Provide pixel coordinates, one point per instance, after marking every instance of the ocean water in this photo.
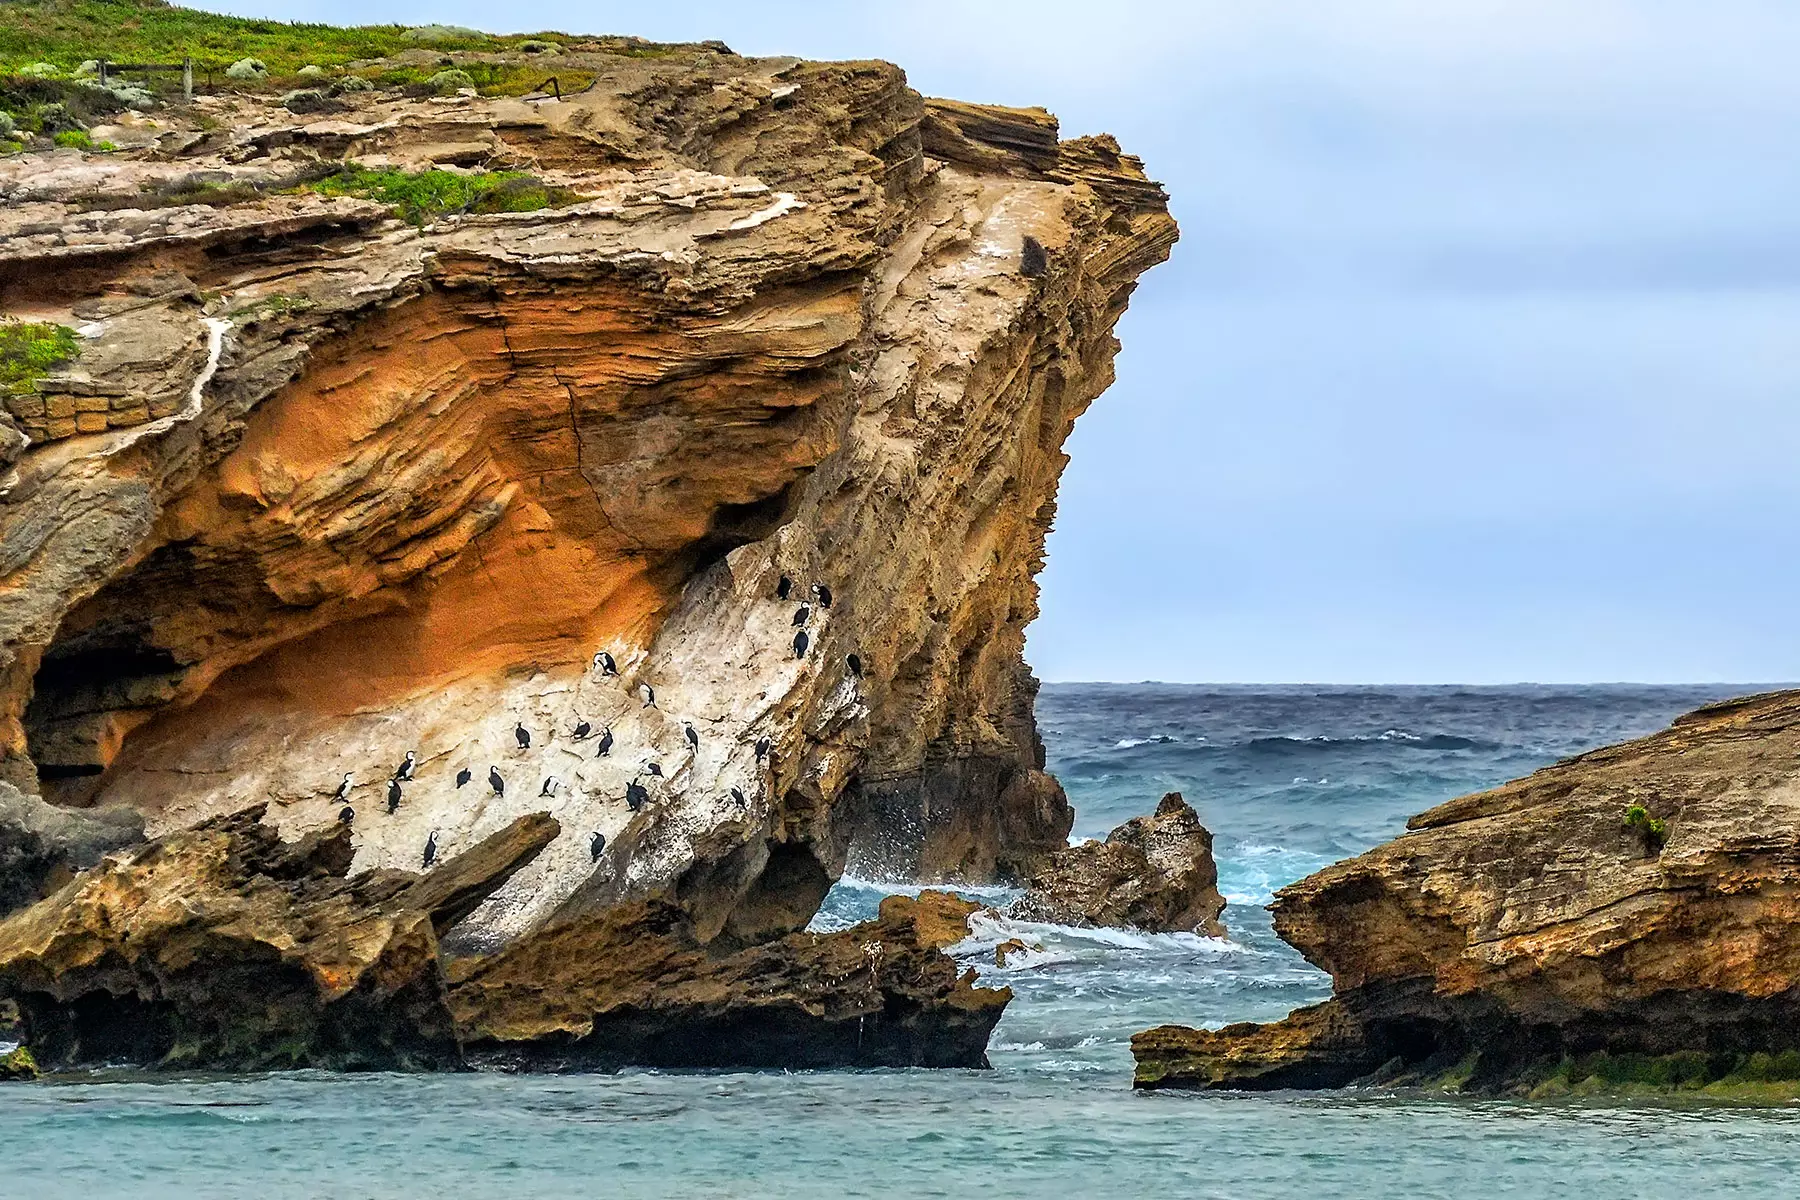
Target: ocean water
(1288, 779)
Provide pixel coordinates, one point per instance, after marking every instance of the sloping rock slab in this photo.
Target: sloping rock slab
(223, 948)
(633, 987)
(1152, 873)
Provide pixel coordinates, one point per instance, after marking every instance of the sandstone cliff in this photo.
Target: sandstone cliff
(325, 485)
(1627, 915)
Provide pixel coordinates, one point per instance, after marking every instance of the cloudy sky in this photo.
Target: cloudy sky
(1479, 360)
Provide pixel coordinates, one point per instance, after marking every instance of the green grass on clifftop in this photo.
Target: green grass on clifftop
(69, 32)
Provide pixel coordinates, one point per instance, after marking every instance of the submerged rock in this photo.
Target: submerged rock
(223, 947)
(1152, 873)
(634, 986)
(1544, 936)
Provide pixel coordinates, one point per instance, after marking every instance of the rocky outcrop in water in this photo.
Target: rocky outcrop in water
(328, 483)
(634, 986)
(1152, 873)
(222, 947)
(1626, 915)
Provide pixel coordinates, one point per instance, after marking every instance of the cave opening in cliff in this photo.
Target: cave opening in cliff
(86, 684)
(782, 898)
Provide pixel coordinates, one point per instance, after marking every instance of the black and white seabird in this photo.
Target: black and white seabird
(346, 814)
(800, 642)
(495, 782)
(802, 615)
(605, 742)
(523, 734)
(343, 789)
(404, 772)
(692, 735)
(393, 795)
(549, 788)
(582, 729)
(763, 746)
(648, 693)
(603, 662)
(654, 768)
(738, 795)
(596, 845)
(636, 795)
(463, 776)
(854, 662)
(431, 848)
(822, 594)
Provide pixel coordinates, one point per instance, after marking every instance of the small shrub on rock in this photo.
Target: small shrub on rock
(447, 83)
(247, 69)
(1654, 830)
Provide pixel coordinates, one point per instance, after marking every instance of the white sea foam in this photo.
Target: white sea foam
(1161, 739)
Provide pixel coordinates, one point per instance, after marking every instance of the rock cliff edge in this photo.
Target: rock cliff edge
(329, 482)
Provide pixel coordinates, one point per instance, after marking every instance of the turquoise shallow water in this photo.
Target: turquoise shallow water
(1288, 779)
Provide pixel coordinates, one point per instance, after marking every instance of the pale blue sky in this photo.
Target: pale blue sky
(1479, 359)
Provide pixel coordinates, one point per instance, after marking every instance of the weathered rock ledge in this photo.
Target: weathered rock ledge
(1542, 936)
(223, 948)
(1153, 873)
(636, 987)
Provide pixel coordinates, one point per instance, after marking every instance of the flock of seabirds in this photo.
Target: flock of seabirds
(636, 794)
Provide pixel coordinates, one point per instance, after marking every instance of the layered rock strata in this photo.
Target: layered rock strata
(1152, 873)
(324, 486)
(634, 986)
(1626, 914)
(224, 948)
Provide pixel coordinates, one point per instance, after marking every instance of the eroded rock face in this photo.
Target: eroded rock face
(635, 986)
(1152, 873)
(324, 487)
(222, 947)
(43, 846)
(1510, 933)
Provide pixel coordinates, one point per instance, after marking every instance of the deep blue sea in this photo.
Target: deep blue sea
(1288, 779)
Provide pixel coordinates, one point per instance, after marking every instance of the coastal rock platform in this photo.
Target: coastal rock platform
(1631, 914)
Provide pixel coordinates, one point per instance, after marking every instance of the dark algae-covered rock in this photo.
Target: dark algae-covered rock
(18, 1064)
(1152, 873)
(1625, 920)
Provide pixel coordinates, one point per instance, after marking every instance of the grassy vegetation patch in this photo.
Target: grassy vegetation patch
(53, 106)
(421, 196)
(78, 139)
(69, 32)
(29, 350)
